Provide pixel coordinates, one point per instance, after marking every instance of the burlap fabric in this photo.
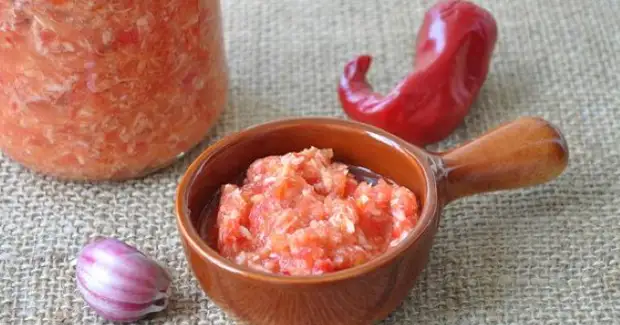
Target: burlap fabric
(545, 255)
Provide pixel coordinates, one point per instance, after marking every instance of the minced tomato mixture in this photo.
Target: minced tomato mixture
(302, 214)
(108, 89)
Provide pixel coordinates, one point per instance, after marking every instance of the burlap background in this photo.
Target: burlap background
(546, 255)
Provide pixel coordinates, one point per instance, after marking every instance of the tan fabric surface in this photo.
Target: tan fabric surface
(547, 255)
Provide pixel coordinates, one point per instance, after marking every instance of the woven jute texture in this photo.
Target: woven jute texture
(543, 255)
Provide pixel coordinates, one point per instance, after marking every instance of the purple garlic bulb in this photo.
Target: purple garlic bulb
(119, 282)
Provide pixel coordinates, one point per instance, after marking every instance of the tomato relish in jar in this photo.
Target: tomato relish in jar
(108, 89)
(302, 214)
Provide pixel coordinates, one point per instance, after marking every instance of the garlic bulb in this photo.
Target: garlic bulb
(119, 282)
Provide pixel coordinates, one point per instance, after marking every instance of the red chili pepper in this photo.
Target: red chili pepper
(453, 53)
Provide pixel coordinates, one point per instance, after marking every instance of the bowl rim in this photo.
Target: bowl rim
(200, 247)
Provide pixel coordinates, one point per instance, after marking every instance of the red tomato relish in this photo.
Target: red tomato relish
(302, 214)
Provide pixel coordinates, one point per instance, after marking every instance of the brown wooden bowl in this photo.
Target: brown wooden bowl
(526, 152)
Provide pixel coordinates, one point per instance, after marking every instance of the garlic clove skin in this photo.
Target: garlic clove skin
(119, 282)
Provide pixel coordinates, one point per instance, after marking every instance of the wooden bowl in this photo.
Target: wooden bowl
(526, 152)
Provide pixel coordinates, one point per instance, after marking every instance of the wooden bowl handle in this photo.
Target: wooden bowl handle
(526, 152)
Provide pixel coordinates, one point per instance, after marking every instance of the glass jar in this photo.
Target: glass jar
(98, 90)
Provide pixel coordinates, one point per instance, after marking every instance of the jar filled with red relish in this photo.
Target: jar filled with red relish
(97, 90)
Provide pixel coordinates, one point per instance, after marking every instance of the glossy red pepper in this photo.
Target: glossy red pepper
(453, 54)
